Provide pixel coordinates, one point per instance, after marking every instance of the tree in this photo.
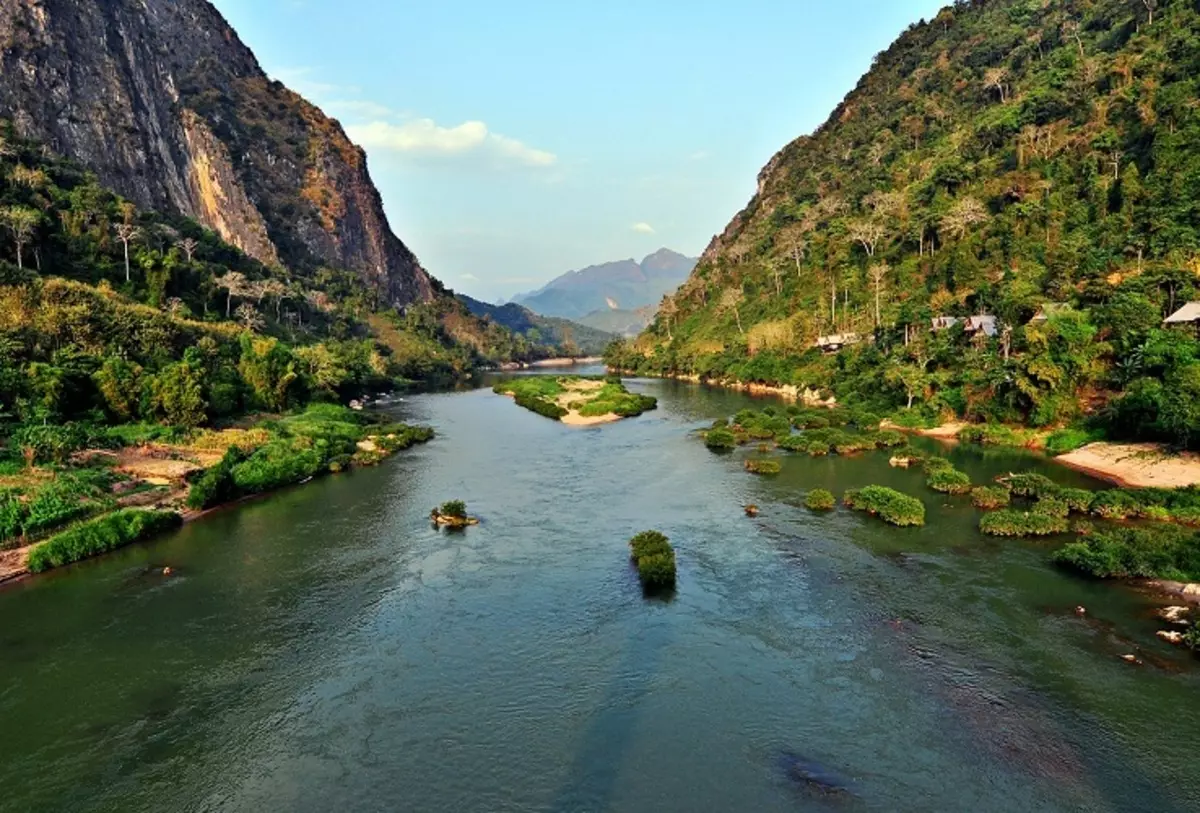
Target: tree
(965, 213)
(21, 222)
(994, 79)
(667, 310)
(911, 377)
(731, 299)
(127, 233)
(188, 246)
(248, 317)
(867, 233)
(1150, 5)
(878, 272)
(234, 284)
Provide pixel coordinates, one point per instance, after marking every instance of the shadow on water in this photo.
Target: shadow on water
(594, 773)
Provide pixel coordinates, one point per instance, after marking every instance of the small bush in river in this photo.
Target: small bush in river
(1009, 522)
(652, 554)
(820, 500)
(949, 481)
(453, 508)
(1161, 552)
(990, 497)
(888, 504)
(756, 466)
(719, 439)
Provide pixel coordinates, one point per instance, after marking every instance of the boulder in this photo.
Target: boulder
(1171, 637)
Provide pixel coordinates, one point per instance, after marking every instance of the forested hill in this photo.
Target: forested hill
(1005, 155)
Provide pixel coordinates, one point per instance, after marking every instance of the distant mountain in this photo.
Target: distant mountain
(621, 322)
(544, 330)
(624, 285)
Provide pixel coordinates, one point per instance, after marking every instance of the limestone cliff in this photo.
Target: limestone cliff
(163, 101)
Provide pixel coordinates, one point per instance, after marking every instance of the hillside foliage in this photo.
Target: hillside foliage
(1004, 156)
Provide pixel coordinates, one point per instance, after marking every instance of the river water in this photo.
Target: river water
(325, 649)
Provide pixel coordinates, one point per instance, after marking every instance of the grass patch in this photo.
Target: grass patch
(98, 536)
(949, 481)
(720, 439)
(820, 499)
(767, 467)
(1068, 440)
(888, 504)
(990, 497)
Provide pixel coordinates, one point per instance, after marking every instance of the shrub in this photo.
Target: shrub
(820, 500)
(548, 409)
(1052, 507)
(794, 443)
(1115, 504)
(816, 448)
(719, 439)
(757, 466)
(990, 497)
(889, 439)
(652, 554)
(216, 486)
(949, 481)
(1082, 527)
(453, 508)
(280, 463)
(1068, 440)
(1078, 500)
(936, 464)
(887, 504)
(1163, 552)
(1009, 522)
(1028, 484)
(99, 536)
(990, 434)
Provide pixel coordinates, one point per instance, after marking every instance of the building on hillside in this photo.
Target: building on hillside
(1047, 310)
(942, 323)
(1189, 314)
(982, 325)
(836, 341)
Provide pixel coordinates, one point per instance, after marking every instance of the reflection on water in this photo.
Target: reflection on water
(323, 648)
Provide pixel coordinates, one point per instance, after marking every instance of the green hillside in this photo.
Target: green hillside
(550, 335)
(1006, 155)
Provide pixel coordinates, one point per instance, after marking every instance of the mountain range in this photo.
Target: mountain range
(588, 294)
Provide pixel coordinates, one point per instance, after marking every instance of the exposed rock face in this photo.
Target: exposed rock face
(167, 106)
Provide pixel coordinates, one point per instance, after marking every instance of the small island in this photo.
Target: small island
(577, 400)
(452, 515)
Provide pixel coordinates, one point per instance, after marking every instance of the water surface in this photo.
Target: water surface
(324, 649)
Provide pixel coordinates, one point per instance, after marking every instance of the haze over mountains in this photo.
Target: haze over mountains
(592, 295)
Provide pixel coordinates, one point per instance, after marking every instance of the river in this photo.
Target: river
(324, 649)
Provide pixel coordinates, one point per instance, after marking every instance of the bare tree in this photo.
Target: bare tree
(799, 249)
(234, 284)
(731, 299)
(867, 233)
(1071, 28)
(773, 266)
(127, 233)
(188, 246)
(1150, 5)
(878, 272)
(21, 222)
(965, 213)
(994, 79)
(248, 317)
(174, 306)
(667, 310)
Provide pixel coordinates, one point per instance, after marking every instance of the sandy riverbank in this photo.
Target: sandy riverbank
(582, 387)
(1135, 465)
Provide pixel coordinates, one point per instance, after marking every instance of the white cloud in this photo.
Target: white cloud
(643, 228)
(425, 137)
(469, 277)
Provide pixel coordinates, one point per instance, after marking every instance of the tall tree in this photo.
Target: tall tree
(21, 222)
(127, 233)
(731, 300)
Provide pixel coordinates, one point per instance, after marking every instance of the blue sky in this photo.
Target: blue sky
(517, 140)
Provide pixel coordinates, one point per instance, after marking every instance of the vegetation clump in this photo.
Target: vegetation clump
(990, 497)
(1159, 552)
(720, 439)
(452, 514)
(1010, 522)
(98, 536)
(654, 558)
(556, 397)
(820, 499)
(888, 504)
(763, 466)
(949, 481)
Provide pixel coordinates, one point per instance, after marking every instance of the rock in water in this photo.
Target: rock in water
(812, 774)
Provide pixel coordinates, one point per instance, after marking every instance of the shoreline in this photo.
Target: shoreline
(1127, 465)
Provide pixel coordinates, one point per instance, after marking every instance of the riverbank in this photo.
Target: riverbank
(583, 361)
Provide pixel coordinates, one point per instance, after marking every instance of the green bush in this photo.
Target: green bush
(757, 466)
(949, 481)
(936, 464)
(1078, 500)
(280, 463)
(652, 554)
(1052, 507)
(1010, 522)
(990, 434)
(98, 536)
(990, 497)
(816, 448)
(215, 486)
(1162, 552)
(453, 508)
(1029, 485)
(1116, 504)
(889, 439)
(1068, 440)
(719, 439)
(794, 443)
(548, 409)
(820, 500)
(888, 504)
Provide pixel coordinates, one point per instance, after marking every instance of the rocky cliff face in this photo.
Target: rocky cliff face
(163, 101)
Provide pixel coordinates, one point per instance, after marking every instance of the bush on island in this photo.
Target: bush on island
(1159, 552)
(990, 497)
(888, 504)
(949, 481)
(719, 439)
(652, 554)
(820, 500)
(757, 466)
(1010, 522)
